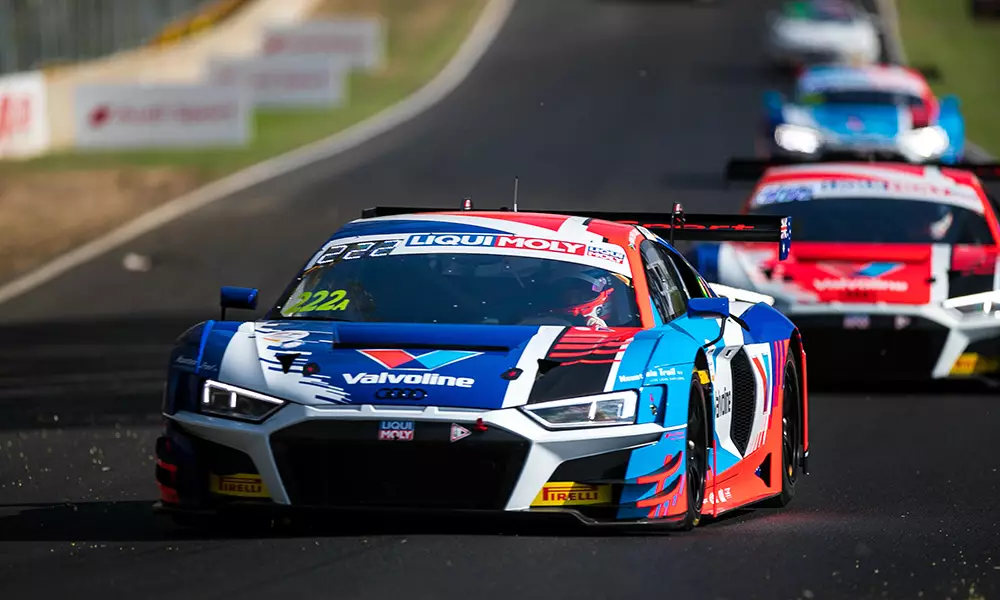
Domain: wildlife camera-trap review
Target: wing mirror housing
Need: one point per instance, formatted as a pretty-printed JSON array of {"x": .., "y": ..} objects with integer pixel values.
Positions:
[
  {"x": 237, "y": 297},
  {"x": 709, "y": 307}
]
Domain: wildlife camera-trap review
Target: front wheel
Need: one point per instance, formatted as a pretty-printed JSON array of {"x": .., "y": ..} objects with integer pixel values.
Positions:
[
  {"x": 696, "y": 452},
  {"x": 791, "y": 435}
]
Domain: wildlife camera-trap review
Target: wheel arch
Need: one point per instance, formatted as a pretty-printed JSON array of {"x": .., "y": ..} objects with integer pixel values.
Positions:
[{"x": 798, "y": 353}]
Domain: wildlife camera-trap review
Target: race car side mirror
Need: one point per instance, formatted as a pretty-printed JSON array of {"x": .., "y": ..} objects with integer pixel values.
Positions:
[
  {"x": 709, "y": 307},
  {"x": 950, "y": 102},
  {"x": 237, "y": 297}
]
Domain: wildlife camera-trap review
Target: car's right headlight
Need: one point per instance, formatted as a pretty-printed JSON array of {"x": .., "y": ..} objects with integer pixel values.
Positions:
[
  {"x": 796, "y": 138},
  {"x": 982, "y": 304},
  {"x": 615, "y": 408},
  {"x": 231, "y": 402}
]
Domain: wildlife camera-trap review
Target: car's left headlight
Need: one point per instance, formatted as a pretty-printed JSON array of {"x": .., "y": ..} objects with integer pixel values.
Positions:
[
  {"x": 924, "y": 143},
  {"x": 614, "y": 408},
  {"x": 231, "y": 402},
  {"x": 982, "y": 304},
  {"x": 796, "y": 138}
]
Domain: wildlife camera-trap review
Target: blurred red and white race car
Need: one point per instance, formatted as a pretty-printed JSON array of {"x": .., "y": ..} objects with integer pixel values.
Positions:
[{"x": 894, "y": 272}]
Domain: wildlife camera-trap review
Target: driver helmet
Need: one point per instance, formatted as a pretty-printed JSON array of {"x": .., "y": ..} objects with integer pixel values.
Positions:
[{"x": 585, "y": 295}]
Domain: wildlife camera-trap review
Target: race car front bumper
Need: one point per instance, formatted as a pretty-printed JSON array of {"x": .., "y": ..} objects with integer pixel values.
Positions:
[
  {"x": 335, "y": 457},
  {"x": 887, "y": 342}
]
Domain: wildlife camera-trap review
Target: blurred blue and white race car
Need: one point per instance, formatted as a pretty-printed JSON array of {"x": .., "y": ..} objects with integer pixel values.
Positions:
[
  {"x": 807, "y": 32},
  {"x": 863, "y": 112}
]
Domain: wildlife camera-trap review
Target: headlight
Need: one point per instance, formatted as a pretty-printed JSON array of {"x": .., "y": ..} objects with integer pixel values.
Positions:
[
  {"x": 796, "y": 138},
  {"x": 222, "y": 400},
  {"x": 924, "y": 143},
  {"x": 615, "y": 408}
]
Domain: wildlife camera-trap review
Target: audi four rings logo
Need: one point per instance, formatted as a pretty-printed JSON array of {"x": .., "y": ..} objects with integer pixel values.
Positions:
[{"x": 400, "y": 394}]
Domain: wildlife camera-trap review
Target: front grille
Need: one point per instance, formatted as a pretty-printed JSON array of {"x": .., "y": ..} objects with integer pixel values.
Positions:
[
  {"x": 744, "y": 400},
  {"x": 887, "y": 348},
  {"x": 344, "y": 464}
]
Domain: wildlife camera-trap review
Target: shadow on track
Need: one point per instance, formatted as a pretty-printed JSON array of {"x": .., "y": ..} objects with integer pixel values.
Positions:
[
  {"x": 134, "y": 521},
  {"x": 84, "y": 373}
]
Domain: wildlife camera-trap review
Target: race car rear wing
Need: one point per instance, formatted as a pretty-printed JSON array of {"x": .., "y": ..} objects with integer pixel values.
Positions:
[
  {"x": 676, "y": 225},
  {"x": 752, "y": 169}
]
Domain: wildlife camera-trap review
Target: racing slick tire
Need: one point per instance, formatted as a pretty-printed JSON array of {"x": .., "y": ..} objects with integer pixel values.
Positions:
[
  {"x": 791, "y": 436},
  {"x": 696, "y": 451}
]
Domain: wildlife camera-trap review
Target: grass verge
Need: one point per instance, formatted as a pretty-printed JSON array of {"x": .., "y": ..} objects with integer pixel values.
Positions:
[
  {"x": 942, "y": 33},
  {"x": 52, "y": 204}
]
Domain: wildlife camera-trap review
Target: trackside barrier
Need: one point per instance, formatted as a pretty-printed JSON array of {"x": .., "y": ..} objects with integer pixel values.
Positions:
[
  {"x": 24, "y": 125},
  {"x": 362, "y": 39},
  {"x": 285, "y": 81},
  {"x": 116, "y": 116}
]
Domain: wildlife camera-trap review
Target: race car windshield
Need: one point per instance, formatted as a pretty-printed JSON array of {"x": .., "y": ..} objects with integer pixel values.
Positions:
[
  {"x": 881, "y": 220},
  {"x": 364, "y": 285},
  {"x": 864, "y": 97},
  {"x": 826, "y": 11}
]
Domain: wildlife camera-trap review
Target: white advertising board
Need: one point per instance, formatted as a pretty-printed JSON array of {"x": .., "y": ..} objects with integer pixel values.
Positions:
[
  {"x": 360, "y": 39},
  {"x": 285, "y": 81},
  {"x": 131, "y": 116},
  {"x": 24, "y": 119}
]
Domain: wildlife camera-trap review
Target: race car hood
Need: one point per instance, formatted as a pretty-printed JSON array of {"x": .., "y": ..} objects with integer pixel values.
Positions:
[
  {"x": 470, "y": 366},
  {"x": 841, "y": 272},
  {"x": 860, "y": 120}
]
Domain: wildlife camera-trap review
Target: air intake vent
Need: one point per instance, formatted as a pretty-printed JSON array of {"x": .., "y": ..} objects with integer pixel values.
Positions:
[{"x": 744, "y": 400}]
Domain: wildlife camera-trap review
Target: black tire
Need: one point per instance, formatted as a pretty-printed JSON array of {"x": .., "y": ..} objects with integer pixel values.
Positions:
[
  {"x": 696, "y": 454},
  {"x": 791, "y": 436}
]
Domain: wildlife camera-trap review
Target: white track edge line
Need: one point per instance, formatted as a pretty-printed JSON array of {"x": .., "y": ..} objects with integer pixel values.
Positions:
[
  {"x": 472, "y": 50},
  {"x": 889, "y": 14}
]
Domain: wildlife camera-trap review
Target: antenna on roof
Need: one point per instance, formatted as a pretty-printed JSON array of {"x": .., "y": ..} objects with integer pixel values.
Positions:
[
  {"x": 676, "y": 218},
  {"x": 515, "y": 193}
]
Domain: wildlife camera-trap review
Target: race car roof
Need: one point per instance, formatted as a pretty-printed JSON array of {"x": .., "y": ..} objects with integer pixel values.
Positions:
[
  {"x": 889, "y": 78},
  {"x": 844, "y": 180}
]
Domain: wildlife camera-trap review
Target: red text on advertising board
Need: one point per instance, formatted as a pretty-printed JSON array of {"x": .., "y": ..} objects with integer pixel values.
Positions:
[{"x": 15, "y": 115}]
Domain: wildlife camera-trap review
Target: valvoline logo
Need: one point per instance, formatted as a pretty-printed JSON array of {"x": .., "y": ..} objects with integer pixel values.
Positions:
[{"x": 406, "y": 361}]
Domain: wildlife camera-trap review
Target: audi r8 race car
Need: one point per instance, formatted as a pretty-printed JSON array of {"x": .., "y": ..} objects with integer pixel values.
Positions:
[
  {"x": 494, "y": 361},
  {"x": 894, "y": 273},
  {"x": 807, "y": 32},
  {"x": 862, "y": 112}
]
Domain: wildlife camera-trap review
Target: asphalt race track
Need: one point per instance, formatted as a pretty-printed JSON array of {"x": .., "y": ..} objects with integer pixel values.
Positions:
[{"x": 593, "y": 104}]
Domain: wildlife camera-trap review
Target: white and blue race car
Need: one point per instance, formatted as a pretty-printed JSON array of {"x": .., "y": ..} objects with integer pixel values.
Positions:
[
  {"x": 863, "y": 112},
  {"x": 494, "y": 361}
]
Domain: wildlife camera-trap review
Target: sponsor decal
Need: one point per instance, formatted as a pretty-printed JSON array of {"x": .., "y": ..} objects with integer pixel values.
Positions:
[
  {"x": 775, "y": 194},
  {"x": 857, "y": 322},
  {"x": 719, "y": 497},
  {"x": 605, "y": 253},
  {"x": 629, "y": 378},
  {"x": 458, "y": 432},
  {"x": 971, "y": 363},
  {"x": 496, "y": 241},
  {"x": 401, "y": 431},
  {"x": 864, "y": 278},
  {"x": 408, "y": 379},
  {"x": 671, "y": 374},
  {"x": 855, "y": 124},
  {"x": 193, "y": 363},
  {"x": 406, "y": 361},
  {"x": 572, "y": 494},
  {"x": 370, "y": 249},
  {"x": 244, "y": 485},
  {"x": 321, "y": 300},
  {"x": 283, "y": 337},
  {"x": 400, "y": 394},
  {"x": 724, "y": 406}
]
